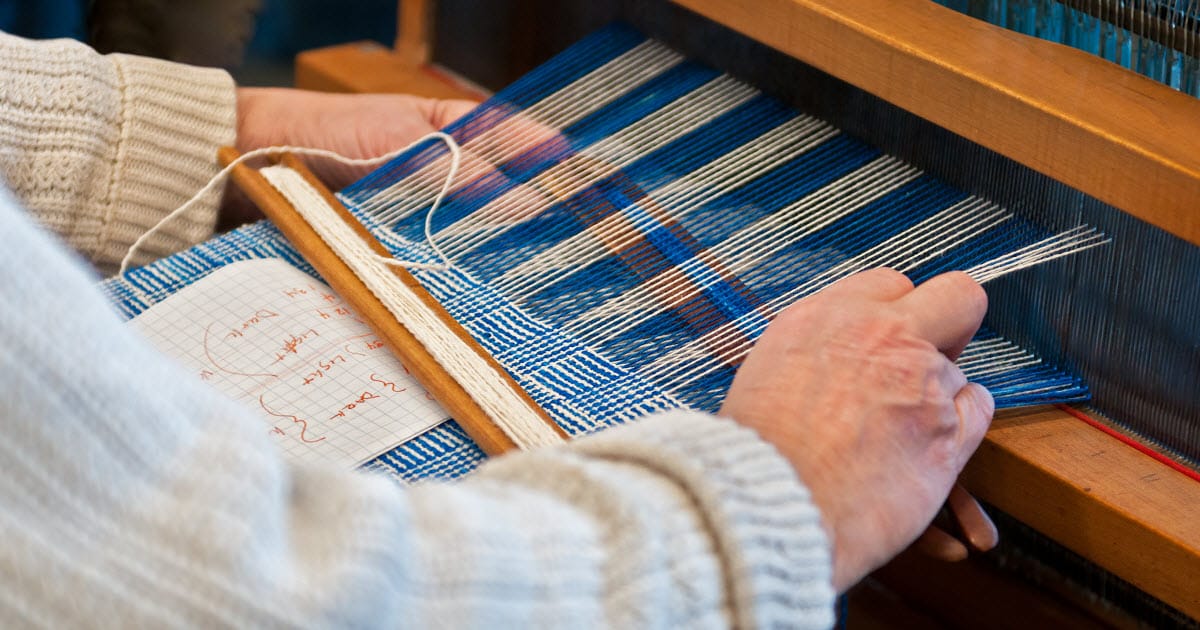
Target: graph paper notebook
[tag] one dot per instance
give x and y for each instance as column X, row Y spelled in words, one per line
column 283, row 344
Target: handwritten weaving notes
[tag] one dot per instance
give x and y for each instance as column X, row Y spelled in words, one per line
column 286, row 346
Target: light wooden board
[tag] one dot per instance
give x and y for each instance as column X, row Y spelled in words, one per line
column 1097, row 496
column 368, row 67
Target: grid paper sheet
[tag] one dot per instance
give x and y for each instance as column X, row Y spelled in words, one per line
column 285, row 345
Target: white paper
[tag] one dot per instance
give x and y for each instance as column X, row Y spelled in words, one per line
column 284, row 344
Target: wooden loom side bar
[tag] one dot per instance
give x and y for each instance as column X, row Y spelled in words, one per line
column 408, row 349
column 1084, row 121
column 1097, row 496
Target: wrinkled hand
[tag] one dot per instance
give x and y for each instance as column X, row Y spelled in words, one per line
column 354, row 125
column 857, row 389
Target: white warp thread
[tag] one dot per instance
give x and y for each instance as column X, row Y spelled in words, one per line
column 490, row 390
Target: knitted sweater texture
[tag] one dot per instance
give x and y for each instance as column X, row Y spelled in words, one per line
column 99, row 148
column 134, row 496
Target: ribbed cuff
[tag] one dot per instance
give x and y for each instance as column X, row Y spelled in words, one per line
column 763, row 520
column 174, row 118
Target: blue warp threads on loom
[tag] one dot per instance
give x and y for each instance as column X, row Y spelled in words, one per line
column 588, row 367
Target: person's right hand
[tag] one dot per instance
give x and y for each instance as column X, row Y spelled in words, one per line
column 857, row 389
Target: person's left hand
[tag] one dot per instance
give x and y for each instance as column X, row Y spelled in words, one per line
column 354, row 125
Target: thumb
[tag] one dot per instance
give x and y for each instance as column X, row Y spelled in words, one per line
column 443, row 112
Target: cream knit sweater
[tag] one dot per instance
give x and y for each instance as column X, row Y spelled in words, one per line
column 133, row 496
column 98, row 148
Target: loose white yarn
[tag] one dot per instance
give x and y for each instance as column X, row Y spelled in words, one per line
column 219, row 179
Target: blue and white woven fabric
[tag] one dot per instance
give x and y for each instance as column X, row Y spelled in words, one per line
column 627, row 222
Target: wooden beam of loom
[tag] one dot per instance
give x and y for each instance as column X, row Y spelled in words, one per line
column 1097, row 496
column 449, row 393
column 1116, row 135
column 368, row 67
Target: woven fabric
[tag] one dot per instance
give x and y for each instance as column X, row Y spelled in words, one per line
column 629, row 222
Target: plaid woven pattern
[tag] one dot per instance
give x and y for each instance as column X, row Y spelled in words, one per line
column 628, row 222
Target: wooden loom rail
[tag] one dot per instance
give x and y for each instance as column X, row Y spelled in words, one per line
column 1085, row 122
column 1097, row 496
column 1088, row 123
column 448, row 392
column 371, row 67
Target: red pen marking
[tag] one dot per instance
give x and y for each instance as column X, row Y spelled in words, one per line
column 323, row 367
column 338, row 311
column 350, row 406
column 291, row 345
column 254, row 320
column 297, row 291
column 365, row 343
column 211, row 359
column 375, row 378
column 295, row 420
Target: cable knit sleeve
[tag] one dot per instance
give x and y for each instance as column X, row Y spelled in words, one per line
column 134, row 496
column 99, row 148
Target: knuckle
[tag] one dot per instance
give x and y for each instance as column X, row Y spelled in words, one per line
column 882, row 328
column 888, row 277
column 918, row 385
column 975, row 404
column 972, row 293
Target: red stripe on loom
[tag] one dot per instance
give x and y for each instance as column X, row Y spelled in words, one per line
column 1146, row 450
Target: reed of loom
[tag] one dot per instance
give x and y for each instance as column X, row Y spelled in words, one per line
column 1078, row 119
column 453, row 397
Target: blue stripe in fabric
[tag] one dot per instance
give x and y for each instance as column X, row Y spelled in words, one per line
column 679, row 254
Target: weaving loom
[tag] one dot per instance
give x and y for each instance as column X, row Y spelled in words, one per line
column 582, row 354
column 624, row 263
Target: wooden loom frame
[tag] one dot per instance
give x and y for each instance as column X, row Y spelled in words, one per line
column 1072, row 116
